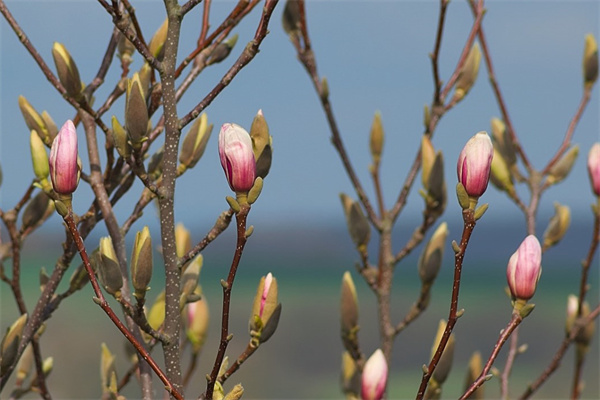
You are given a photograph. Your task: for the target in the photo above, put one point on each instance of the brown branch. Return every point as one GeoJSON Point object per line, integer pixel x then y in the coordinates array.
{"type": "Point", "coordinates": [219, 227]}
{"type": "Point", "coordinates": [250, 349]}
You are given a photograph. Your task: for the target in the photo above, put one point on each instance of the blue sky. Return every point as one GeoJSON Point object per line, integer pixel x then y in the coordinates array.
{"type": "Point", "coordinates": [375, 56]}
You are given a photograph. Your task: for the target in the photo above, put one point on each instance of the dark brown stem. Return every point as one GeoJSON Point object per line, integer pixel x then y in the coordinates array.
{"type": "Point", "coordinates": [241, 218]}
{"type": "Point", "coordinates": [504, 335]}
{"type": "Point", "coordinates": [436, 53]}
{"type": "Point", "coordinates": [469, 225]}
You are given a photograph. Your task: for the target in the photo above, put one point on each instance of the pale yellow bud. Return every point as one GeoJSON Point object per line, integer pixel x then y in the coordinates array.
{"type": "Point", "coordinates": [590, 60]}
{"type": "Point", "coordinates": [376, 138]}
{"type": "Point", "coordinates": [558, 225]}
{"type": "Point", "coordinates": [468, 73]}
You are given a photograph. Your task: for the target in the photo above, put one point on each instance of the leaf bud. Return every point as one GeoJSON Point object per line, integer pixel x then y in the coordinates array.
{"type": "Point", "coordinates": [590, 61]}
{"type": "Point", "coordinates": [468, 73]}
{"type": "Point", "coordinates": [183, 241]}
{"type": "Point", "coordinates": [376, 139]}
{"type": "Point", "coordinates": [500, 175]}
{"type": "Point", "coordinates": [197, 317]}
{"type": "Point", "coordinates": [38, 208]}
{"type": "Point", "coordinates": [109, 271]}
{"type": "Point", "coordinates": [358, 225]}
{"type": "Point", "coordinates": [195, 142]}
{"type": "Point", "coordinates": [157, 42]}
{"type": "Point", "coordinates": [348, 305]}
{"type": "Point", "coordinates": [189, 279]}
{"type": "Point", "coordinates": [235, 393]}
{"type": "Point", "coordinates": [445, 364]}
{"type": "Point", "coordinates": [67, 71]}
{"type": "Point", "coordinates": [473, 371]}
{"type": "Point", "coordinates": [350, 377]}
{"type": "Point", "coordinates": [222, 50]}
{"type": "Point", "coordinates": [141, 263]}
{"type": "Point", "coordinates": [558, 225]}
{"type": "Point", "coordinates": [290, 18]}
{"type": "Point", "coordinates": [432, 255]}
{"type": "Point", "coordinates": [374, 377]}
{"type": "Point", "coordinates": [502, 142]}
{"type": "Point", "coordinates": [255, 191]}
{"type": "Point", "coordinates": [262, 144]}
{"type": "Point", "coordinates": [126, 49]}
{"type": "Point", "coordinates": [136, 112]}
{"type": "Point", "coordinates": [10, 344]}
{"type": "Point", "coordinates": [24, 365]}
{"type": "Point", "coordinates": [593, 165]}
{"type": "Point", "coordinates": [563, 166]}
{"type": "Point", "coordinates": [119, 137]}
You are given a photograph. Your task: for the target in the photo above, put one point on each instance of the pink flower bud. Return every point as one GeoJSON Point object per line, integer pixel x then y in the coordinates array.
{"type": "Point", "coordinates": [237, 157]}
{"type": "Point", "coordinates": [263, 298]}
{"type": "Point", "coordinates": [474, 163]}
{"type": "Point", "coordinates": [594, 167]}
{"type": "Point", "coordinates": [524, 269]}
{"type": "Point", "coordinates": [64, 170]}
{"type": "Point", "coordinates": [374, 377]}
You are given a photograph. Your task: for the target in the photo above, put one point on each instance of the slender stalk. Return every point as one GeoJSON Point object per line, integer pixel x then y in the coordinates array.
{"type": "Point", "coordinates": [512, 354]}
{"type": "Point", "coordinates": [250, 349]}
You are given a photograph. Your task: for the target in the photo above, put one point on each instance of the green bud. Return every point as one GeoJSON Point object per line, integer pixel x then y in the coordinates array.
{"type": "Point", "coordinates": [119, 137]}
{"type": "Point", "coordinates": [126, 49]}
{"type": "Point", "coordinates": [37, 209]}
{"type": "Point", "coordinates": [445, 364]}
{"type": "Point", "coordinates": [324, 88]}
{"type": "Point", "coordinates": [376, 139]}
{"type": "Point", "coordinates": [426, 116]}
{"type": "Point", "coordinates": [462, 196]}
{"type": "Point", "coordinates": [24, 365]}
{"type": "Point", "coordinates": [500, 175]}
{"type": "Point", "coordinates": [67, 71]}
{"type": "Point", "coordinates": [156, 315]}
{"type": "Point", "coordinates": [10, 344]}
{"type": "Point", "coordinates": [558, 225]}
{"type": "Point", "coordinates": [136, 112]}
{"type": "Point", "coordinates": [427, 160]}
{"type": "Point", "coordinates": [39, 157]}
{"type": "Point", "coordinates": [348, 305]}
{"type": "Point", "coordinates": [189, 279]}
{"type": "Point", "coordinates": [563, 166]}
{"type": "Point", "coordinates": [255, 190]}
{"type": "Point", "coordinates": [80, 278]}
{"type": "Point", "coordinates": [195, 142]}
{"type": "Point", "coordinates": [502, 142]}
{"type": "Point", "coordinates": [141, 263]}
{"type": "Point", "coordinates": [235, 393]}
{"type": "Point", "coordinates": [473, 371]}
{"type": "Point", "coordinates": [436, 194]}
{"type": "Point", "coordinates": [479, 211]}
{"type": "Point", "coordinates": [109, 271]}
{"type": "Point", "coordinates": [157, 42]}
{"type": "Point", "coordinates": [34, 121]}
{"type": "Point", "coordinates": [107, 369]}
{"type": "Point", "coordinates": [358, 225]}
{"type": "Point", "coordinates": [350, 378]}
{"type": "Point", "coordinates": [183, 241]}
{"type": "Point", "coordinates": [290, 18]}
{"type": "Point", "coordinates": [590, 60]}
{"type": "Point", "coordinates": [222, 50]}
{"type": "Point", "coordinates": [432, 255]}
{"type": "Point", "coordinates": [261, 144]}
{"type": "Point", "coordinates": [468, 73]}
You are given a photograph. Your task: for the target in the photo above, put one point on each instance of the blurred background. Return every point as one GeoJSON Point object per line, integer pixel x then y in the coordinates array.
{"type": "Point", "coordinates": [375, 57]}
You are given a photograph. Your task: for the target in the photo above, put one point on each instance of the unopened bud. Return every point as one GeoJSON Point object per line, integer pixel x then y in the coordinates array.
{"type": "Point", "coordinates": [34, 121]}
{"type": "Point", "coordinates": [350, 376]}
{"type": "Point", "coordinates": [158, 40]}
{"type": "Point", "coordinates": [436, 188]}
{"type": "Point", "coordinates": [348, 305]}
{"type": "Point", "coordinates": [427, 159]}
{"type": "Point", "coordinates": [358, 225]}
{"type": "Point", "coordinates": [235, 393]}
{"type": "Point", "coordinates": [119, 137]}
{"type": "Point", "coordinates": [593, 164]}
{"type": "Point", "coordinates": [10, 344]}
{"type": "Point", "coordinates": [109, 271]}
{"type": "Point", "coordinates": [474, 164]}
{"type": "Point", "coordinates": [473, 372]}
{"type": "Point", "coordinates": [156, 315]}
{"type": "Point", "coordinates": [198, 317]}
{"type": "Point", "coordinates": [39, 157]}
{"type": "Point", "coordinates": [195, 142]}
{"type": "Point", "coordinates": [376, 139]}
{"type": "Point", "coordinates": [24, 365]}
{"type": "Point", "coordinates": [141, 263]}
{"type": "Point", "coordinates": [290, 18]}
{"type": "Point", "coordinates": [468, 73]}
{"type": "Point", "coordinates": [500, 174]}
{"type": "Point", "coordinates": [558, 225]}
{"type": "Point", "coordinates": [374, 377]}
{"type": "Point", "coordinates": [433, 253]}
{"type": "Point", "coordinates": [590, 60]}
{"type": "Point", "coordinates": [563, 166]}
{"type": "Point", "coordinates": [262, 143]}
{"type": "Point", "coordinates": [136, 112]}
{"type": "Point", "coordinates": [107, 368]}
{"type": "Point", "coordinates": [266, 309]}
{"type": "Point", "coordinates": [445, 364]}
{"type": "Point", "coordinates": [502, 142]}
{"type": "Point", "coordinates": [189, 279]}
{"type": "Point", "coordinates": [37, 209]}
{"type": "Point", "coordinates": [524, 269]}
{"type": "Point", "coordinates": [67, 71]}
{"type": "Point", "coordinates": [64, 160]}
{"type": "Point", "coordinates": [222, 50]}
{"type": "Point", "coordinates": [237, 157]}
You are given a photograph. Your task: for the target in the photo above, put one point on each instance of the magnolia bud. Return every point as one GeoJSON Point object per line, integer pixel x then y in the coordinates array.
{"type": "Point", "coordinates": [107, 369]}
{"type": "Point", "coordinates": [10, 344]}
{"type": "Point", "coordinates": [141, 263]}
{"type": "Point", "coordinates": [37, 210]}
{"type": "Point", "coordinates": [183, 241]}
{"type": "Point", "coordinates": [236, 393]}
{"type": "Point", "coordinates": [109, 271]}
{"type": "Point", "coordinates": [524, 269]}
{"type": "Point", "coordinates": [222, 50]}
{"type": "Point", "coordinates": [158, 40]}
{"type": "Point", "coordinates": [350, 378]}
{"type": "Point", "coordinates": [563, 166]}
{"type": "Point", "coordinates": [374, 377]}
{"type": "Point", "coordinates": [261, 144]}
{"type": "Point", "coordinates": [266, 309]}
{"type": "Point", "coordinates": [474, 164]}
{"type": "Point", "coordinates": [348, 305]}
{"type": "Point", "coordinates": [473, 372]}
{"type": "Point", "coordinates": [24, 365]}
{"type": "Point", "coordinates": [500, 174]}
{"type": "Point", "coordinates": [119, 137]}
{"type": "Point", "coordinates": [189, 279]}
{"type": "Point", "coordinates": [39, 157]}
{"type": "Point", "coordinates": [427, 160]}
{"type": "Point", "coordinates": [34, 121]}
{"type": "Point", "coordinates": [64, 167]}
{"type": "Point", "coordinates": [445, 364]}
{"type": "Point", "coordinates": [468, 73]}
{"type": "Point", "coordinates": [502, 142]}
{"type": "Point", "coordinates": [197, 317]}
{"type": "Point", "coordinates": [51, 127]}
{"type": "Point", "coordinates": [358, 225]}
{"type": "Point", "coordinates": [136, 112]}
{"type": "Point", "coordinates": [290, 18]}
{"type": "Point", "coordinates": [431, 258]}
{"type": "Point", "coordinates": [436, 187]}
{"type": "Point", "coordinates": [156, 315]}
{"type": "Point", "coordinates": [376, 139]}
{"type": "Point", "coordinates": [237, 157]}
{"type": "Point", "coordinates": [558, 225]}
{"type": "Point", "coordinates": [586, 335]}
{"type": "Point", "coordinates": [593, 165]}
{"type": "Point", "coordinates": [195, 142]}
{"type": "Point", "coordinates": [590, 60]}
{"type": "Point", "coordinates": [67, 71]}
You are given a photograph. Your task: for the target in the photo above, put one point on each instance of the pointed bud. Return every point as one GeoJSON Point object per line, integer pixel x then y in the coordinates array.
{"type": "Point", "coordinates": [572, 307]}
{"type": "Point", "coordinates": [358, 225]}
{"type": "Point", "coordinates": [34, 121]}
{"type": "Point", "coordinates": [24, 365]}
{"type": "Point", "coordinates": [37, 210]}
{"type": "Point", "coordinates": [189, 279]}
{"type": "Point", "coordinates": [374, 377]}
{"type": "Point", "coordinates": [524, 269]}
{"type": "Point", "coordinates": [107, 368]}
{"type": "Point", "coordinates": [158, 40]}
{"type": "Point", "coordinates": [433, 253]}
{"type": "Point", "coordinates": [222, 50]}
{"type": "Point", "coordinates": [141, 263]}
{"type": "Point", "coordinates": [183, 241]}
{"type": "Point", "coordinates": [262, 144]}
{"type": "Point", "coordinates": [51, 127]}
{"type": "Point", "coordinates": [155, 165]}
{"type": "Point", "coordinates": [502, 142]}
{"type": "Point", "coordinates": [195, 142]}
{"type": "Point", "coordinates": [10, 344]}
{"type": "Point", "coordinates": [436, 187]}
{"type": "Point", "coordinates": [500, 174]}
{"type": "Point", "coordinates": [290, 18]}
{"type": "Point", "coordinates": [197, 317]}
{"type": "Point", "coordinates": [593, 165]}
{"type": "Point", "coordinates": [136, 112]}
{"type": "Point", "coordinates": [586, 335]}
{"type": "Point", "coordinates": [427, 160]}
{"type": "Point", "coordinates": [376, 139]}
{"type": "Point", "coordinates": [156, 315]}
{"type": "Point", "coordinates": [350, 378]}
{"type": "Point", "coordinates": [445, 364]}
{"type": "Point", "coordinates": [119, 137]}
{"type": "Point", "coordinates": [67, 71]}
{"type": "Point", "coordinates": [266, 309]}
{"type": "Point", "coordinates": [348, 305]}
{"type": "Point", "coordinates": [39, 157]}
{"type": "Point", "coordinates": [237, 157]}
{"type": "Point", "coordinates": [590, 60]}
{"type": "Point", "coordinates": [474, 164]}
{"type": "Point", "coordinates": [236, 393]}
{"type": "Point", "coordinates": [558, 225]}
{"type": "Point", "coordinates": [80, 278]}
{"type": "Point", "coordinates": [473, 372]}
{"type": "Point", "coordinates": [468, 73]}
{"type": "Point", "coordinates": [109, 271]}
{"type": "Point", "coordinates": [563, 166]}
{"type": "Point", "coordinates": [64, 167]}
